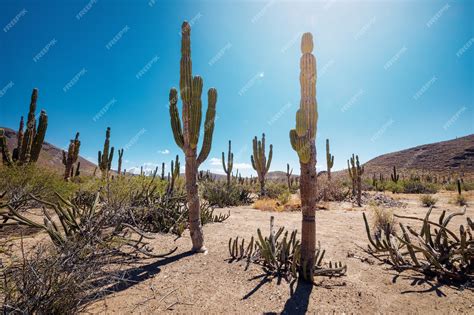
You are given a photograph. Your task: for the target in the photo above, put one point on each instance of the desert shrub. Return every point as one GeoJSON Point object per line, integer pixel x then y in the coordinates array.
{"type": "Point", "coordinates": [218, 194]}
{"type": "Point", "coordinates": [394, 187]}
{"type": "Point", "coordinates": [465, 185]}
{"type": "Point", "coordinates": [274, 189]}
{"type": "Point", "coordinates": [333, 190]}
{"type": "Point", "coordinates": [416, 187]}
{"type": "Point", "coordinates": [284, 197]}
{"type": "Point", "coordinates": [17, 183]}
{"type": "Point", "coordinates": [383, 223]}
{"type": "Point", "coordinates": [460, 200]}
{"type": "Point", "coordinates": [428, 200]}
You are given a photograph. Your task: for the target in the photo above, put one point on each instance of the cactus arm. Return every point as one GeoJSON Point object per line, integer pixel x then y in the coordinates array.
{"type": "Point", "coordinates": [6, 157]}
{"type": "Point", "coordinates": [195, 111]}
{"type": "Point", "coordinates": [223, 163]}
{"type": "Point", "coordinates": [208, 125]}
{"type": "Point", "coordinates": [175, 120]}
{"type": "Point", "coordinates": [270, 156]}
{"type": "Point", "coordinates": [39, 137]}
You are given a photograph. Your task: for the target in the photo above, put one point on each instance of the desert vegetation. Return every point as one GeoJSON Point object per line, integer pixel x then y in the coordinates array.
{"type": "Point", "coordinates": [70, 240]}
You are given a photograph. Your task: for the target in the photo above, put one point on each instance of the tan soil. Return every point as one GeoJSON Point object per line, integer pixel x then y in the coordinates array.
{"type": "Point", "coordinates": [184, 283]}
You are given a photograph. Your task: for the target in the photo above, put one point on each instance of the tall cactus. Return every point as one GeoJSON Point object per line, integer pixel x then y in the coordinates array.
{"type": "Point", "coordinates": [356, 172]}
{"type": "Point", "coordinates": [230, 163]}
{"type": "Point", "coordinates": [186, 133]}
{"type": "Point", "coordinates": [329, 159]}
{"type": "Point", "coordinates": [71, 156]}
{"type": "Point", "coordinates": [394, 176]}
{"type": "Point", "coordinates": [288, 175]}
{"type": "Point", "coordinates": [352, 171]}
{"type": "Point", "coordinates": [30, 141]}
{"type": "Point", "coordinates": [105, 157]}
{"type": "Point", "coordinates": [303, 141]}
{"type": "Point", "coordinates": [260, 162]}
{"type": "Point", "coordinates": [120, 156]}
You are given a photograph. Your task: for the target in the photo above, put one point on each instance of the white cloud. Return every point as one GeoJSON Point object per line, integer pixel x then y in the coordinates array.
{"type": "Point", "coordinates": [215, 161]}
{"type": "Point", "coordinates": [242, 166]}
{"type": "Point", "coordinates": [165, 151]}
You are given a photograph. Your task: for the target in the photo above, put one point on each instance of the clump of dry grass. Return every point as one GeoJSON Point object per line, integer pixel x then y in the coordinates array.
{"type": "Point", "coordinates": [286, 203]}
{"type": "Point", "coordinates": [428, 200]}
{"type": "Point", "coordinates": [383, 222]}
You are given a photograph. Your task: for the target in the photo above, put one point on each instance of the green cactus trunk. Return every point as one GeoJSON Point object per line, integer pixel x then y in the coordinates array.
{"type": "Point", "coordinates": [230, 164]}
{"type": "Point", "coordinates": [119, 168]}
{"type": "Point", "coordinates": [71, 157]}
{"type": "Point", "coordinates": [186, 135]}
{"type": "Point", "coordinates": [105, 157]}
{"type": "Point", "coordinates": [303, 141]}
{"type": "Point", "coordinates": [329, 159]}
{"type": "Point", "coordinates": [288, 176]}
{"type": "Point", "coordinates": [260, 162]}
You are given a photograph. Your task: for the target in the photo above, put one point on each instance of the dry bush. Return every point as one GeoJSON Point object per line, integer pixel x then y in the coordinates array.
{"type": "Point", "coordinates": [428, 200]}
{"type": "Point", "coordinates": [460, 200]}
{"type": "Point", "coordinates": [331, 190]}
{"type": "Point", "coordinates": [383, 222]}
{"type": "Point", "coordinates": [220, 195]}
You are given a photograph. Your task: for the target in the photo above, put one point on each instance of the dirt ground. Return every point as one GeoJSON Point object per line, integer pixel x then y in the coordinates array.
{"type": "Point", "coordinates": [185, 283]}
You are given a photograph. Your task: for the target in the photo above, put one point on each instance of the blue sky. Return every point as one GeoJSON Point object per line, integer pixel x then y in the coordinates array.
{"type": "Point", "coordinates": [391, 74]}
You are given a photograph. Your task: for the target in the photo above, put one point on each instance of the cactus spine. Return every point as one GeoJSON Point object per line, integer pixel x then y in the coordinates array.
{"type": "Point", "coordinates": [303, 141]}
{"type": "Point", "coordinates": [356, 175]}
{"type": "Point", "coordinates": [260, 162]}
{"type": "Point", "coordinates": [71, 157]}
{"type": "Point", "coordinates": [230, 163]}
{"type": "Point", "coordinates": [394, 175]}
{"type": "Point", "coordinates": [329, 159]}
{"type": "Point", "coordinates": [288, 175]}
{"type": "Point", "coordinates": [30, 141]}
{"type": "Point", "coordinates": [186, 133]}
{"type": "Point", "coordinates": [104, 157]}
{"type": "Point", "coordinates": [120, 155]}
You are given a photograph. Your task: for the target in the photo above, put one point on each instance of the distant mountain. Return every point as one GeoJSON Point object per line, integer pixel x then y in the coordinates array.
{"type": "Point", "coordinates": [51, 156]}
{"type": "Point", "coordinates": [442, 158]}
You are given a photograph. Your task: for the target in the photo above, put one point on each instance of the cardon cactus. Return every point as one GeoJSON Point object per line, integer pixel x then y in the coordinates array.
{"type": "Point", "coordinates": [352, 171]}
{"type": "Point", "coordinates": [71, 156]}
{"type": "Point", "coordinates": [288, 176]}
{"type": "Point", "coordinates": [355, 172]}
{"type": "Point", "coordinates": [329, 159]}
{"type": "Point", "coordinates": [260, 163]}
{"type": "Point", "coordinates": [186, 132]}
{"type": "Point", "coordinates": [30, 141]}
{"type": "Point", "coordinates": [105, 157]}
{"type": "Point", "coordinates": [120, 156]}
{"type": "Point", "coordinates": [230, 163]}
{"type": "Point", "coordinates": [303, 141]}
{"type": "Point", "coordinates": [394, 175]}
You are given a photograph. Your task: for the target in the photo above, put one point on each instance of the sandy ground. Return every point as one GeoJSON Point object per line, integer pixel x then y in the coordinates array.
{"type": "Point", "coordinates": [184, 283]}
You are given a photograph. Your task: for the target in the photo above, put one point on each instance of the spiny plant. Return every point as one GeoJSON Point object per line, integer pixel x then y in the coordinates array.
{"type": "Point", "coordinates": [230, 163]}
{"type": "Point", "coordinates": [355, 172]}
{"type": "Point", "coordinates": [394, 176]}
{"type": "Point", "coordinates": [175, 167]}
{"type": "Point", "coordinates": [30, 141]}
{"type": "Point", "coordinates": [186, 133]}
{"type": "Point", "coordinates": [288, 175]}
{"type": "Point", "coordinates": [105, 157]}
{"type": "Point", "coordinates": [303, 141]}
{"type": "Point", "coordinates": [71, 156]}
{"type": "Point", "coordinates": [77, 172]}
{"type": "Point", "coordinates": [329, 159]}
{"type": "Point", "coordinates": [281, 258]}
{"type": "Point", "coordinates": [434, 251]}
{"type": "Point", "coordinates": [120, 156]}
{"type": "Point", "coordinates": [351, 170]}
{"type": "Point", "coordinates": [260, 162]}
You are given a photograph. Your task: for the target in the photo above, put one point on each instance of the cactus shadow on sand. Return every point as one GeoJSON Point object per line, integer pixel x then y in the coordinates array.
{"type": "Point", "coordinates": [136, 275]}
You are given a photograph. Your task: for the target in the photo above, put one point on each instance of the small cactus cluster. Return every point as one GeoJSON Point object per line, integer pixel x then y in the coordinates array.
{"type": "Point", "coordinates": [172, 176]}
{"type": "Point", "coordinates": [105, 157]}
{"type": "Point", "coordinates": [260, 163]}
{"type": "Point", "coordinates": [434, 250]}
{"type": "Point", "coordinates": [329, 159]}
{"type": "Point", "coordinates": [230, 163]}
{"type": "Point", "coordinates": [281, 258]}
{"type": "Point", "coordinates": [355, 172]}
{"type": "Point", "coordinates": [30, 140]}
{"type": "Point", "coordinates": [71, 157]}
